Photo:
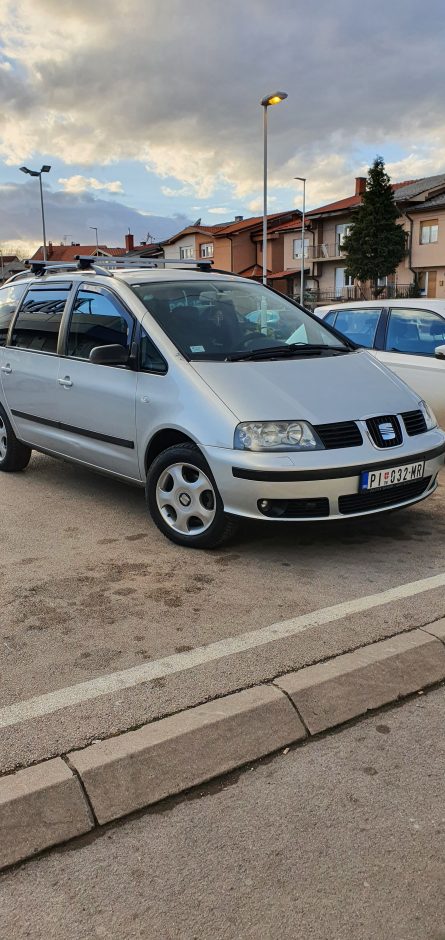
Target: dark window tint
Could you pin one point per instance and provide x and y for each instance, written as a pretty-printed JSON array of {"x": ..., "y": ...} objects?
[
  {"x": 151, "y": 359},
  {"x": 38, "y": 322},
  {"x": 415, "y": 331},
  {"x": 9, "y": 298},
  {"x": 359, "y": 325},
  {"x": 98, "y": 320}
]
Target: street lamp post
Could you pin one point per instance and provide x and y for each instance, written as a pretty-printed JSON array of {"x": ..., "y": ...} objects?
[
  {"x": 302, "y": 180},
  {"x": 45, "y": 169},
  {"x": 268, "y": 100},
  {"x": 94, "y": 228}
]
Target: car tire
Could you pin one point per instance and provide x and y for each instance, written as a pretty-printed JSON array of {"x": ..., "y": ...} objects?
[
  {"x": 14, "y": 455},
  {"x": 184, "y": 501}
]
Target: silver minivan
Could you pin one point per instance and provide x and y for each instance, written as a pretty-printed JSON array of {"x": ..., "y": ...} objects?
[{"x": 220, "y": 396}]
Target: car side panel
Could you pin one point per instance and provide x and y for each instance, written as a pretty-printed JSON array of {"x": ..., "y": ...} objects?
[{"x": 424, "y": 374}]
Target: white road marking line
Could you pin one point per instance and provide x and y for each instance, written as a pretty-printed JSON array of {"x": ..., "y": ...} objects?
[{"x": 117, "y": 681}]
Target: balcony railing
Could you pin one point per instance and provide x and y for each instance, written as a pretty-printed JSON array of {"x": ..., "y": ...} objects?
[
  {"x": 315, "y": 298},
  {"x": 323, "y": 252}
]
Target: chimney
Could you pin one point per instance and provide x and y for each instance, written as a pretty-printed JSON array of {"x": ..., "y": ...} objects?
[
  {"x": 360, "y": 185},
  {"x": 129, "y": 242},
  {"x": 50, "y": 249},
  {"x": 239, "y": 218}
]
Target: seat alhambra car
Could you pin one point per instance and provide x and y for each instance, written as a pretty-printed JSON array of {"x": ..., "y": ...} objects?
[{"x": 223, "y": 398}]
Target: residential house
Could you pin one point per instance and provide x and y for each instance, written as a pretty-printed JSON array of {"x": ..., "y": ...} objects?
[
  {"x": 233, "y": 246},
  {"x": 9, "y": 265},
  {"x": 422, "y": 207},
  {"x": 68, "y": 253},
  {"x": 422, "y": 204}
]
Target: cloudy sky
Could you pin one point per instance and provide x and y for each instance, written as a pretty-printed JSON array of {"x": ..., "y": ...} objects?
[{"x": 148, "y": 110}]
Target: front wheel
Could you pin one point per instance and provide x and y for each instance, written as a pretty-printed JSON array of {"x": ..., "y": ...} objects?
[
  {"x": 13, "y": 454},
  {"x": 183, "y": 499}
]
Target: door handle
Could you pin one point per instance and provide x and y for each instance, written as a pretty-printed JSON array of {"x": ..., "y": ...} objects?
[
  {"x": 66, "y": 382},
  {"x": 7, "y": 369}
]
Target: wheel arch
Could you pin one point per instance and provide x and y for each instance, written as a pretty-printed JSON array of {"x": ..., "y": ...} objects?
[{"x": 167, "y": 437}]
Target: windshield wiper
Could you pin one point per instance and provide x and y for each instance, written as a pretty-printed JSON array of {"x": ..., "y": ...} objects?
[{"x": 288, "y": 350}]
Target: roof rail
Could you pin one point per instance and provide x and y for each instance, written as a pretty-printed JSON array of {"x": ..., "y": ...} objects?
[
  {"x": 106, "y": 266},
  {"x": 121, "y": 261}
]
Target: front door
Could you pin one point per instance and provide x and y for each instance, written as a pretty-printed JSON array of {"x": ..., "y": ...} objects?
[
  {"x": 412, "y": 337},
  {"x": 98, "y": 402},
  {"x": 30, "y": 366}
]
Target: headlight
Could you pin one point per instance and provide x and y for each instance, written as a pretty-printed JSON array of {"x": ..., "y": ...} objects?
[
  {"x": 276, "y": 435},
  {"x": 429, "y": 415}
]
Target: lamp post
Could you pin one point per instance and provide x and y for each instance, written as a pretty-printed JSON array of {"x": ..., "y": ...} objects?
[
  {"x": 268, "y": 100},
  {"x": 302, "y": 180},
  {"x": 45, "y": 169},
  {"x": 97, "y": 240}
]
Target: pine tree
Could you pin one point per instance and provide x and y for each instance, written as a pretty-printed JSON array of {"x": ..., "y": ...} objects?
[{"x": 376, "y": 243}]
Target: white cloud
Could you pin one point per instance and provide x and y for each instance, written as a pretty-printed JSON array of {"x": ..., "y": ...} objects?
[
  {"x": 181, "y": 191},
  {"x": 219, "y": 210},
  {"x": 166, "y": 110},
  {"x": 80, "y": 184}
]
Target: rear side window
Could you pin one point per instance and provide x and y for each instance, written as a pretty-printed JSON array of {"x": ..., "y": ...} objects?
[
  {"x": 415, "y": 331},
  {"x": 359, "y": 325},
  {"x": 38, "y": 322},
  {"x": 9, "y": 299},
  {"x": 330, "y": 317}
]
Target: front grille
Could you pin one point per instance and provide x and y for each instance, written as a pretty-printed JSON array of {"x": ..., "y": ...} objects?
[
  {"x": 293, "y": 508},
  {"x": 342, "y": 434},
  {"x": 414, "y": 422},
  {"x": 390, "y": 496},
  {"x": 379, "y": 427}
]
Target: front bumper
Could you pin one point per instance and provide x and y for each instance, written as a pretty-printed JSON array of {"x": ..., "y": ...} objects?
[{"x": 322, "y": 485}]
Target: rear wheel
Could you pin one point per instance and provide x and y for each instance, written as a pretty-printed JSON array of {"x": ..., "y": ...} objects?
[
  {"x": 13, "y": 454},
  {"x": 183, "y": 499}
]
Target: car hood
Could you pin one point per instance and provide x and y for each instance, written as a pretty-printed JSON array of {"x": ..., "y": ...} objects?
[{"x": 320, "y": 390}]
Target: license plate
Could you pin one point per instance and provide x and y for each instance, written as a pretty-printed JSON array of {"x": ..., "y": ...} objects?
[{"x": 391, "y": 476}]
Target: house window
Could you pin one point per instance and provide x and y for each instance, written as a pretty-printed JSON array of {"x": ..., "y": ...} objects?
[
  {"x": 340, "y": 232},
  {"x": 186, "y": 253},
  {"x": 207, "y": 250},
  {"x": 429, "y": 231},
  {"x": 298, "y": 247}
]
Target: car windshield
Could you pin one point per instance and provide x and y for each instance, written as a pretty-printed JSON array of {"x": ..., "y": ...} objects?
[{"x": 229, "y": 320}]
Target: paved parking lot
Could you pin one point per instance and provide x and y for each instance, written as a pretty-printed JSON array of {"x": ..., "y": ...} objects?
[{"x": 90, "y": 588}]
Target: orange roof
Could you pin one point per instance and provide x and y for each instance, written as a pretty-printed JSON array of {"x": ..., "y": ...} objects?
[
  {"x": 280, "y": 274},
  {"x": 232, "y": 228},
  {"x": 190, "y": 229},
  {"x": 255, "y": 270},
  {"x": 69, "y": 252},
  {"x": 350, "y": 202}
]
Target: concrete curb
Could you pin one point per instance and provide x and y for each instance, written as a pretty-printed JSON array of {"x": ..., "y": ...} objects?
[{"x": 54, "y": 801}]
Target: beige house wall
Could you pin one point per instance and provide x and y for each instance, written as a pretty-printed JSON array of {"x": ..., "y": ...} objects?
[
  {"x": 222, "y": 254},
  {"x": 172, "y": 251}
]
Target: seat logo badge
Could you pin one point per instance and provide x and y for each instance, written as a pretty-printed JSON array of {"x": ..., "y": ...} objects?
[
  {"x": 185, "y": 499},
  {"x": 387, "y": 431}
]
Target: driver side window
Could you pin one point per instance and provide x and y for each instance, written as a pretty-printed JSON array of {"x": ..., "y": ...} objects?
[{"x": 98, "y": 319}]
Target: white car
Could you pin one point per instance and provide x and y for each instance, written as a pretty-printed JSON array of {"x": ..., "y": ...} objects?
[{"x": 408, "y": 336}]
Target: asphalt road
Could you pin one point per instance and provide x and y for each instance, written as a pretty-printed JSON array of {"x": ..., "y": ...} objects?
[
  {"x": 90, "y": 588},
  {"x": 342, "y": 838}
]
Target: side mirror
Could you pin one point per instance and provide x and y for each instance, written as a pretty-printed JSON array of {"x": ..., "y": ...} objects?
[
  {"x": 115, "y": 355},
  {"x": 439, "y": 352}
]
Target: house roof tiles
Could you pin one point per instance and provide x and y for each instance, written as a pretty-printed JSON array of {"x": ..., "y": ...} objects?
[{"x": 69, "y": 252}]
